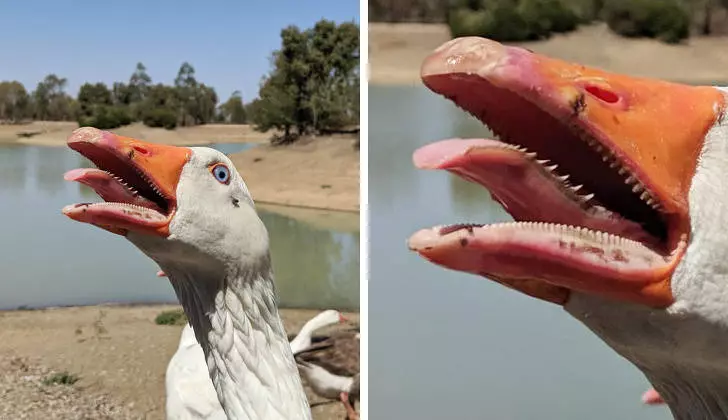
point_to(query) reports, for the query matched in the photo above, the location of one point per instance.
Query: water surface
(48, 259)
(448, 345)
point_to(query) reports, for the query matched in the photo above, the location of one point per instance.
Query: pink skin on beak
(652, 397)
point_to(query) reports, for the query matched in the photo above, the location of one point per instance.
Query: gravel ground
(25, 394)
(118, 353)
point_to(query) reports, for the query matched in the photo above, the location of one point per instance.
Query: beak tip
(464, 55)
(68, 210)
(424, 239)
(85, 135)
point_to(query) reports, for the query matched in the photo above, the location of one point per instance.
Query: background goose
(338, 353)
(190, 394)
(617, 185)
(331, 366)
(190, 211)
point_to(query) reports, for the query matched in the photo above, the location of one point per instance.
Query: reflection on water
(450, 345)
(47, 259)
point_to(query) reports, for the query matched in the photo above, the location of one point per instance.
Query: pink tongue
(108, 188)
(440, 154)
(526, 190)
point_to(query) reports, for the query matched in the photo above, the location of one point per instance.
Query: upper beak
(150, 165)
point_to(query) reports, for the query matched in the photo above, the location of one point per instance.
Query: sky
(229, 43)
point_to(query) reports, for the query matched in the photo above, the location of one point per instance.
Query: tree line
(187, 102)
(312, 88)
(520, 20)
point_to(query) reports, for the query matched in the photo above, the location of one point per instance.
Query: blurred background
(451, 345)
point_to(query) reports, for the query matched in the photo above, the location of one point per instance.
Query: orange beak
(150, 173)
(654, 129)
(657, 128)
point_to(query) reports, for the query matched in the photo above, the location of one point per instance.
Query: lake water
(48, 259)
(448, 345)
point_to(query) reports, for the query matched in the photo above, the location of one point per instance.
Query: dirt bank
(318, 173)
(118, 353)
(52, 133)
(396, 52)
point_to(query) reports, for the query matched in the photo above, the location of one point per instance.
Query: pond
(50, 260)
(445, 344)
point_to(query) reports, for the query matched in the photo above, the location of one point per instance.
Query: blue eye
(221, 173)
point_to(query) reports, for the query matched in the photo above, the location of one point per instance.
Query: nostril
(140, 149)
(603, 94)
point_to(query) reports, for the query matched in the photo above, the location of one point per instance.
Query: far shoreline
(325, 174)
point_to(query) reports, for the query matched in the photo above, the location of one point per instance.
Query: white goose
(190, 211)
(190, 394)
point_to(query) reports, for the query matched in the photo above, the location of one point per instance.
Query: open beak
(595, 168)
(137, 180)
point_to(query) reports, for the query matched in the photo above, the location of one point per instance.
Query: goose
(189, 210)
(338, 353)
(335, 387)
(331, 366)
(190, 394)
(617, 186)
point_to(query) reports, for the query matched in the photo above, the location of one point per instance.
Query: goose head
(175, 203)
(617, 187)
(328, 317)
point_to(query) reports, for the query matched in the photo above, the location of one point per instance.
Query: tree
(233, 110)
(50, 101)
(97, 109)
(160, 107)
(186, 85)
(121, 94)
(94, 94)
(139, 84)
(275, 108)
(14, 102)
(312, 84)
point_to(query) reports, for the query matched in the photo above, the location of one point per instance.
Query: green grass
(174, 317)
(61, 378)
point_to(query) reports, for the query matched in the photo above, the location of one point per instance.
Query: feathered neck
(303, 338)
(234, 314)
(681, 349)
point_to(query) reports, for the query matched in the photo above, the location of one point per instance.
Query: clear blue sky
(228, 42)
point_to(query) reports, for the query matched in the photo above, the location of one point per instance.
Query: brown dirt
(52, 133)
(396, 52)
(118, 352)
(318, 173)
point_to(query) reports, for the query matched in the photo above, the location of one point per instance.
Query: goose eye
(221, 173)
